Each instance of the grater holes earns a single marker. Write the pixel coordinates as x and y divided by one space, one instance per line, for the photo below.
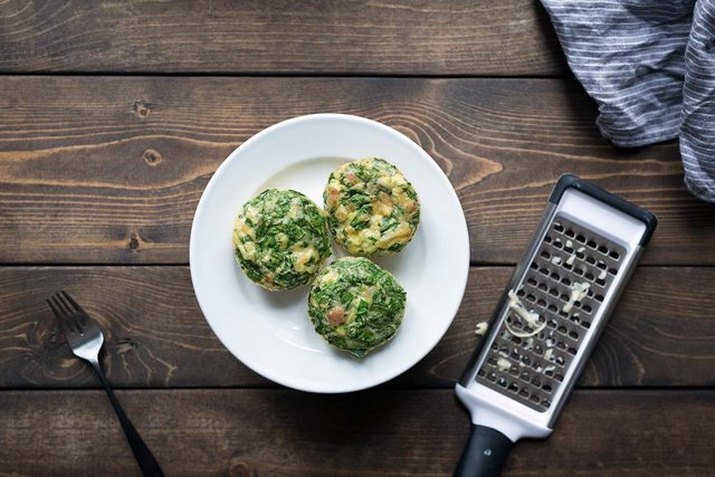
602 249
546 388
568 255
614 255
502 381
525 376
558 227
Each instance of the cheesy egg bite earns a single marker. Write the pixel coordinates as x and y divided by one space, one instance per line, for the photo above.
356 305
371 208
280 239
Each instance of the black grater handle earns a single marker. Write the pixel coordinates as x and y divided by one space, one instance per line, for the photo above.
485 453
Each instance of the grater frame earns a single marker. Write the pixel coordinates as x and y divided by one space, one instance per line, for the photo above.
581 205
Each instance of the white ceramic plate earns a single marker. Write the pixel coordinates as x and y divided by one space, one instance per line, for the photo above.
270 332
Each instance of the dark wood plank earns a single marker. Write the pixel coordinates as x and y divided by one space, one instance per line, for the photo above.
109 170
276 433
394 37
661 334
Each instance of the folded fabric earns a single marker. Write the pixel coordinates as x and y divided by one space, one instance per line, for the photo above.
650 66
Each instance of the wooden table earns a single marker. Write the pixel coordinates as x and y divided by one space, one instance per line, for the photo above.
114 115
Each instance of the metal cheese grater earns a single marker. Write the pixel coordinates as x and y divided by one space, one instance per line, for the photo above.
549 318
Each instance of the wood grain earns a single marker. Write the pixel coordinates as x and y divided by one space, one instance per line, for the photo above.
394 37
110 169
662 334
285 433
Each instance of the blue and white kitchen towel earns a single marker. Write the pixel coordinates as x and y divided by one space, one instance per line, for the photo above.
650 66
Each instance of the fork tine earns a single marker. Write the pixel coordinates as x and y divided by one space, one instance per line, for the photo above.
62 318
82 315
69 298
61 304
69 318
55 309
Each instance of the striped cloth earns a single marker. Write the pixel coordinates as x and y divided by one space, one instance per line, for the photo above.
650 66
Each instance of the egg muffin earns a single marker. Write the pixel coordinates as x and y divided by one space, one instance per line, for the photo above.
280 239
356 305
371 208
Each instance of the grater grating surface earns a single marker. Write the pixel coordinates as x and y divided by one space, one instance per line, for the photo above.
530 369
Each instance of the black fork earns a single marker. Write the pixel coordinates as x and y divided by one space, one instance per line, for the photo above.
86 339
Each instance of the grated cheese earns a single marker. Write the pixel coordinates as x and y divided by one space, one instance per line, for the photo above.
482 328
578 291
531 318
503 364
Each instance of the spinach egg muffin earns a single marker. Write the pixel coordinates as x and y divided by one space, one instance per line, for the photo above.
372 209
280 239
356 305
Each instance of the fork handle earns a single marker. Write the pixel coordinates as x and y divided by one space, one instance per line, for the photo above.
147 462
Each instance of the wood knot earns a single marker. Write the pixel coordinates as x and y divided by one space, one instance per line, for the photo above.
141 109
152 157
134 241
239 468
